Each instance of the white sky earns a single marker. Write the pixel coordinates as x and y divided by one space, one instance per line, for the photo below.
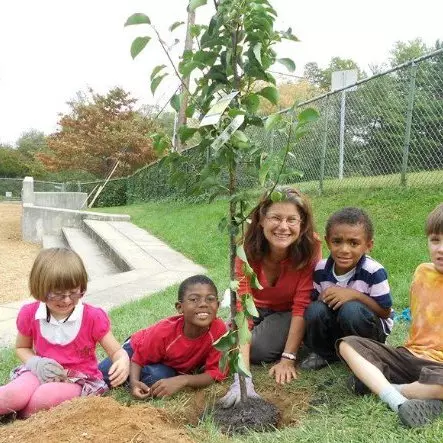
50 49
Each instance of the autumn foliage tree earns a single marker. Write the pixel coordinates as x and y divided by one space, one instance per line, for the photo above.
98 131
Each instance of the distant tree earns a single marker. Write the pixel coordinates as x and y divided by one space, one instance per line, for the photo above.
322 77
403 52
98 131
31 142
12 163
290 94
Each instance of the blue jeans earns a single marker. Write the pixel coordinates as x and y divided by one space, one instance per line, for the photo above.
149 374
324 326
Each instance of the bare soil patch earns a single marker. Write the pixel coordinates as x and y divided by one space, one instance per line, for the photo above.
16 256
98 420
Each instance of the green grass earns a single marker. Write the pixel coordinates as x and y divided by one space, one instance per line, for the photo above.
336 416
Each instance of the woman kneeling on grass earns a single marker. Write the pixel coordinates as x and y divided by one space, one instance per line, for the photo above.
282 248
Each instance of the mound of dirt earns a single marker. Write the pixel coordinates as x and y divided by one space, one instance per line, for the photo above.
98 420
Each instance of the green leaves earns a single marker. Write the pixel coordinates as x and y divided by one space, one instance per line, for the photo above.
249 306
156 81
138 19
272 121
226 341
308 115
287 63
138 45
156 70
251 102
257 52
270 93
175 25
276 196
241 254
175 102
194 4
244 334
186 133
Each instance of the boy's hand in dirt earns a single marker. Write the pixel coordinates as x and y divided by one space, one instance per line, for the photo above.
140 390
283 371
168 386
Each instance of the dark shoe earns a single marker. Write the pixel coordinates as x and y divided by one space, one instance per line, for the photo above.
356 386
415 413
313 362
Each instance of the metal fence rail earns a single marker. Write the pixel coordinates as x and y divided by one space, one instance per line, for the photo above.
11 188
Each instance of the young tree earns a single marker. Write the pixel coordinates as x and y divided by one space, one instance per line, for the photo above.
232 59
98 131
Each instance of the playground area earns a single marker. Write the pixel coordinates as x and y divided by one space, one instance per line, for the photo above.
16 255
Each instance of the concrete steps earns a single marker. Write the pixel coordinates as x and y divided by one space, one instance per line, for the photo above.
97 263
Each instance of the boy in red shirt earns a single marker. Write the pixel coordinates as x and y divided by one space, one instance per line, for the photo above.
165 355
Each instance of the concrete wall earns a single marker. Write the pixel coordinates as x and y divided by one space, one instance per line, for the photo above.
63 200
38 220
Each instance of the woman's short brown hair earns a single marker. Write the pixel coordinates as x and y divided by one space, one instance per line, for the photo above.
56 269
304 250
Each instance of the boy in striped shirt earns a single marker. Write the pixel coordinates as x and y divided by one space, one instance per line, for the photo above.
351 293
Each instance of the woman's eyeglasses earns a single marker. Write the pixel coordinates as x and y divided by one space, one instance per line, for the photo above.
276 220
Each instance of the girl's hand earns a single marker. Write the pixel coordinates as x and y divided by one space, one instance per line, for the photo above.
119 371
283 371
168 386
140 390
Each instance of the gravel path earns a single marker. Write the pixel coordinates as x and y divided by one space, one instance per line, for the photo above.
16 256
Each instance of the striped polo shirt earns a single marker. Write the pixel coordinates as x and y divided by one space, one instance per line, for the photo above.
369 278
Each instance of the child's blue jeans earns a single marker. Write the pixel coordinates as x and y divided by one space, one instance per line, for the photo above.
324 326
149 374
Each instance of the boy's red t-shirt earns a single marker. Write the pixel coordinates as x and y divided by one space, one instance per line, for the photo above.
164 342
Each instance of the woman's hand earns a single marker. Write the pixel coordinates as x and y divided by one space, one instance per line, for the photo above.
283 371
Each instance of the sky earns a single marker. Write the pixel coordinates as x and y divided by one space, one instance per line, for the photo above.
51 49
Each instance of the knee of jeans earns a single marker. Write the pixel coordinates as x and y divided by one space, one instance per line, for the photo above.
353 313
155 372
316 311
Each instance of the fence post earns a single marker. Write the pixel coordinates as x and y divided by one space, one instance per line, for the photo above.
410 108
324 147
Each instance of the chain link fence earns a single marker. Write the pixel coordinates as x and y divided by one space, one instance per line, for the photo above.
383 131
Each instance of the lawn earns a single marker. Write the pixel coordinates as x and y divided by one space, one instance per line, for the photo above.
317 406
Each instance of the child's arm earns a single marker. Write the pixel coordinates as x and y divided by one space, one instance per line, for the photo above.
169 386
138 389
23 347
336 296
118 372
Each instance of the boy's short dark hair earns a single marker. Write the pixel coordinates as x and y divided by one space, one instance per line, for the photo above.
351 216
194 280
434 223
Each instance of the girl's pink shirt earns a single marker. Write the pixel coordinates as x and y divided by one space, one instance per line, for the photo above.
79 354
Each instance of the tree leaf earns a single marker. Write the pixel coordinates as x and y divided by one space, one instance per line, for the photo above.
255 282
244 334
242 369
156 70
270 93
288 63
194 4
251 102
308 115
224 361
176 102
276 196
138 19
222 225
175 25
241 254
138 45
272 121
264 171
257 52
226 341
186 133
250 305
234 285
156 81
190 110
